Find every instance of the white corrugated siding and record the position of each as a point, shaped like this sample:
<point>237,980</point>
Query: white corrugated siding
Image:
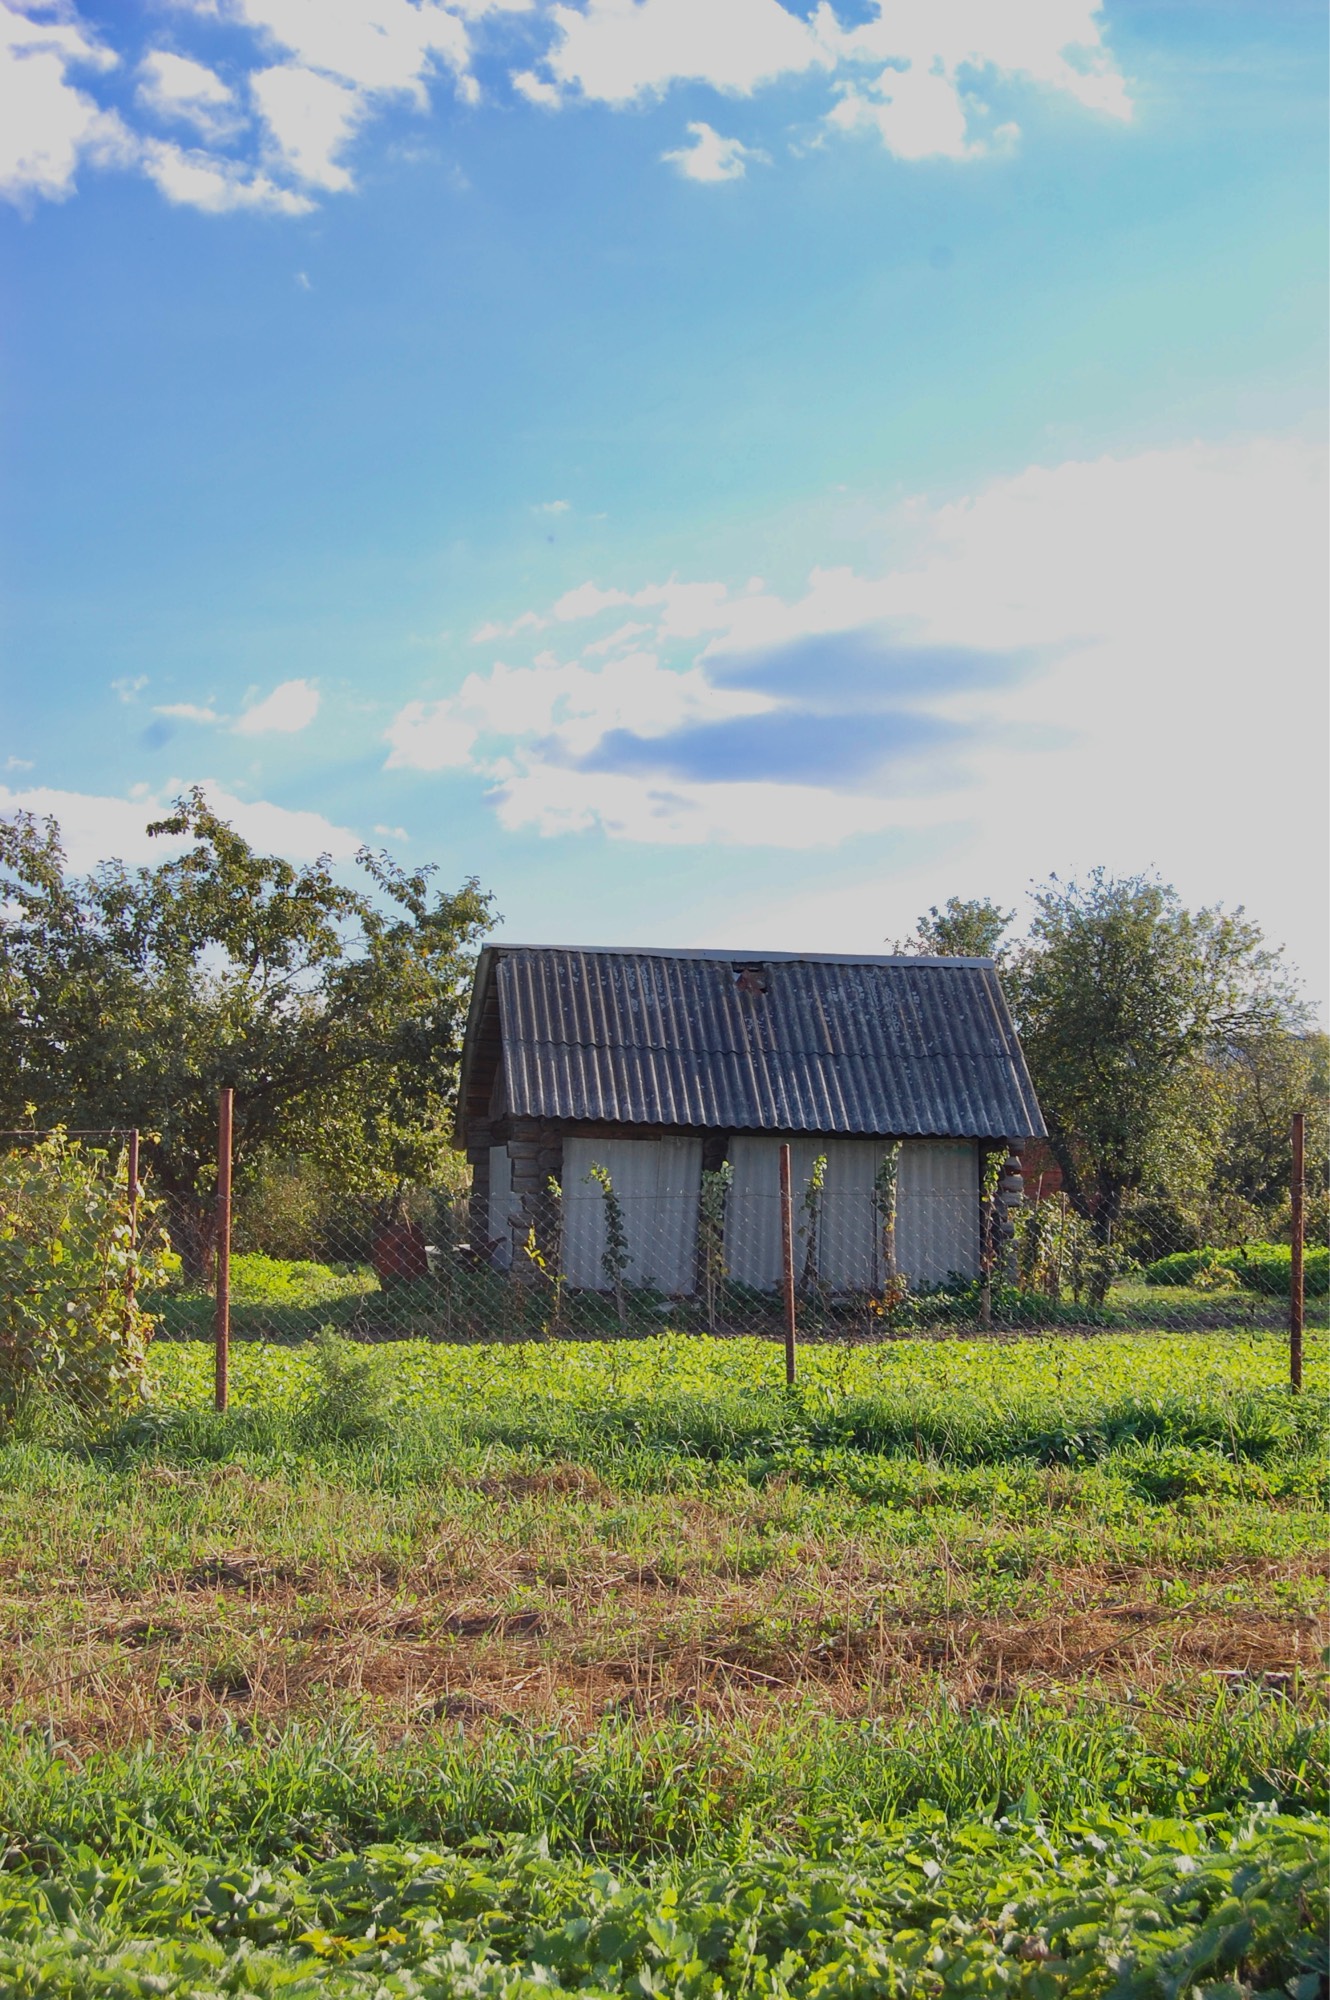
<point>937,1220</point>
<point>657,1183</point>
<point>499,1222</point>
<point>937,1217</point>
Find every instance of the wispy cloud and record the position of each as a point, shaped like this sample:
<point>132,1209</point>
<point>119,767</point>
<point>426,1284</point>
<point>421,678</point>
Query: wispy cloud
<point>186,711</point>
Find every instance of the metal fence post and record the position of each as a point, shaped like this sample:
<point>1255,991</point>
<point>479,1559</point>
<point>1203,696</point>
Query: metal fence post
<point>787,1259</point>
<point>1295,1267</point>
<point>222,1351</point>
<point>132,1176</point>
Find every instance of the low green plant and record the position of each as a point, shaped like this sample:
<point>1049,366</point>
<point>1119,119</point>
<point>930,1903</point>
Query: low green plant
<point>75,1269</point>
<point>999,1906</point>
<point>347,1398</point>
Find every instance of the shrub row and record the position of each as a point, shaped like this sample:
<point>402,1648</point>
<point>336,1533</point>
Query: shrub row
<point>1258,1267</point>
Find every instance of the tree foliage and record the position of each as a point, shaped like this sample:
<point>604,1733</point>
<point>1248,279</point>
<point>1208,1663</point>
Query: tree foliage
<point>130,996</point>
<point>963,929</point>
<point>1132,1011</point>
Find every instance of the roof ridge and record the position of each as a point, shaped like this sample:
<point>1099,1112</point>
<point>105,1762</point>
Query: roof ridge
<point>748,955</point>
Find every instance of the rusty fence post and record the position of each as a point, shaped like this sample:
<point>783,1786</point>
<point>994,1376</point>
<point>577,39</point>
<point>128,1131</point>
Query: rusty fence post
<point>787,1259</point>
<point>132,1179</point>
<point>1295,1264</point>
<point>222,1323</point>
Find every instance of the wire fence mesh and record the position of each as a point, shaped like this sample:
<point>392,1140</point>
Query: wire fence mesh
<point>593,1261</point>
<point>886,1243</point>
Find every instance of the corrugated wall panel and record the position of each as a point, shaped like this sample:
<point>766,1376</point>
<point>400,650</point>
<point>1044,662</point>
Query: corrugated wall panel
<point>656,1183</point>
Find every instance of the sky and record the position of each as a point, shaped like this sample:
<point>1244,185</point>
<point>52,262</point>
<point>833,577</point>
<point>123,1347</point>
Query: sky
<point>722,472</point>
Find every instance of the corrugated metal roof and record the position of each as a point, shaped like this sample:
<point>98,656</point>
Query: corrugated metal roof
<point>899,1046</point>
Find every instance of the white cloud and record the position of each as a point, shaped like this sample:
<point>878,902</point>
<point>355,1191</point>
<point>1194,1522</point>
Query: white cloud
<point>535,89</point>
<point>392,833</point>
<point>186,711</point>
<point>552,506</point>
<point>107,828</point>
<point>47,124</point>
<point>620,50</point>
<point>568,705</point>
<point>1169,612</point>
<point>319,70</point>
<point>429,736</point>
<point>309,118</point>
<point>551,799</point>
<point>374,45</point>
<point>710,157</point>
<point>1056,43</point>
<point>291,706</point>
<point>200,180</point>
<point>613,642</point>
<point>908,72</point>
<point>177,87</point>
<point>917,113</point>
<point>18,763</point>
<point>585,602</point>
<point>923,102</point>
<point>129,686</point>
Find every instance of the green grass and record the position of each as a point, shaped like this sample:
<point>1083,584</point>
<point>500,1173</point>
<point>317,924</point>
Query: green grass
<point>273,1299</point>
<point>616,1667</point>
<point>686,1397</point>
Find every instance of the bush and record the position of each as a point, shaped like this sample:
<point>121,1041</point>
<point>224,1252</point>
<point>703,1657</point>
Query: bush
<point>347,1402</point>
<point>72,1281</point>
<point>1258,1267</point>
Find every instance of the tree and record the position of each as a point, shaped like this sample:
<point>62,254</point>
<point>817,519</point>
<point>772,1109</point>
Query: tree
<point>130,996</point>
<point>1127,1003</point>
<point>1265,1080</point>
<point>961,930</point>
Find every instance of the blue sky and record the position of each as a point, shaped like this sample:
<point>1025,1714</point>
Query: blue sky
<point>721,472</point>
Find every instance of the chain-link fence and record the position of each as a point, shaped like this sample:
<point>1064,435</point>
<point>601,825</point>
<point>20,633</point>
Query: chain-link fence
<point>883,1242</point>
<point>596,1260</point>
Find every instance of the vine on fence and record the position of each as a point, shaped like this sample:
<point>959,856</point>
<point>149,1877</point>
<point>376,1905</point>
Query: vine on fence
<point>812,1207</point>
<point>886,1198</point>
<point>551,1266</point>
<point>616,1257</point>
<point>712,1205</point>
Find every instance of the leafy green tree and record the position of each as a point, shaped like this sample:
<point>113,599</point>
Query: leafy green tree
<point>130,996</point>
<point>1264,1081</point>
<point>1128,1004</point>
<point>962,929</point>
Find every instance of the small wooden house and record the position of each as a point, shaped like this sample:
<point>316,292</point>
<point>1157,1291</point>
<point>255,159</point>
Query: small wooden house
<point>658,1068</point>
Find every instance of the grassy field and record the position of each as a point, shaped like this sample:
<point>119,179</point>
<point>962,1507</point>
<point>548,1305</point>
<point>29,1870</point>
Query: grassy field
<point>617,1667</point>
